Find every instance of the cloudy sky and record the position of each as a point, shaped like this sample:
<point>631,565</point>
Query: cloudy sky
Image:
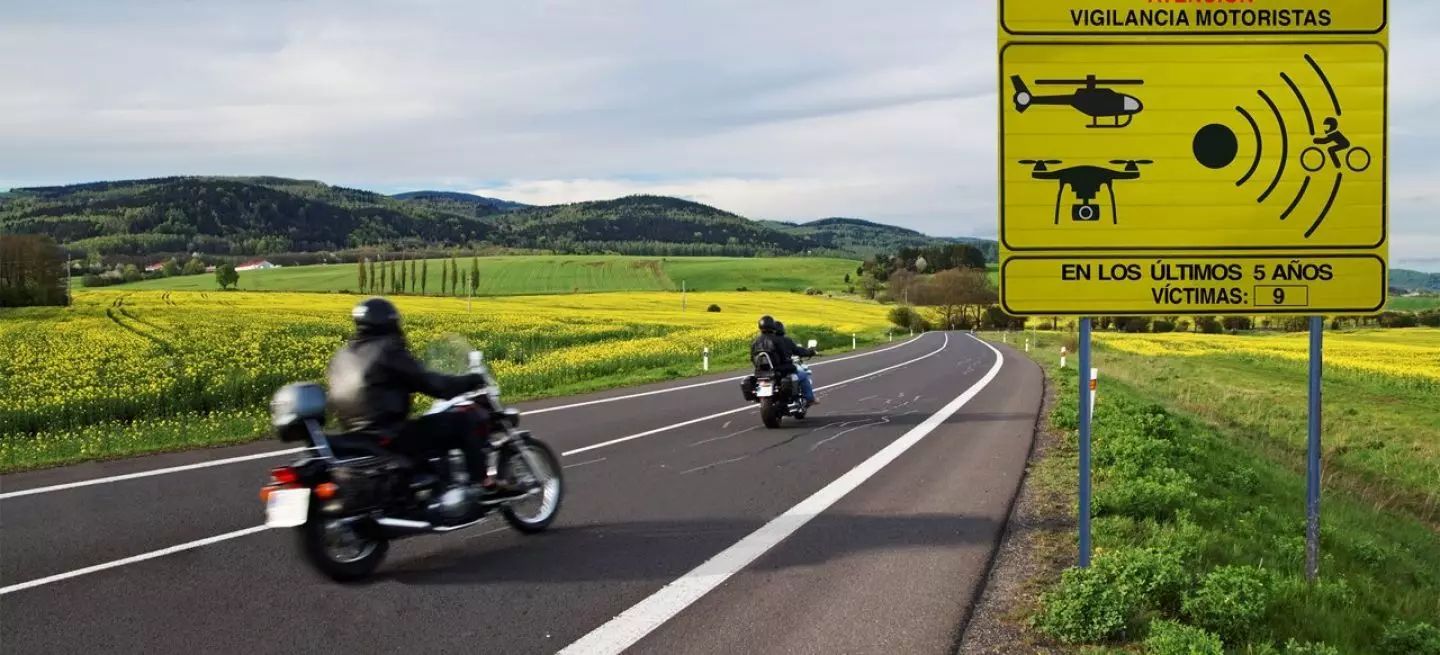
<point>787,110</point>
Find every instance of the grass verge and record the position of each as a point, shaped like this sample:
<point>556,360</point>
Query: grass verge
<point>1199,542</point>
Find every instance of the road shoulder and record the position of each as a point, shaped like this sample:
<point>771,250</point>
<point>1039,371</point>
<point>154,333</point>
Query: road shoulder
<point>1037,544</point>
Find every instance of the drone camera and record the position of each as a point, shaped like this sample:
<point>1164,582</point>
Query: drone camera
<point>1084,213</point>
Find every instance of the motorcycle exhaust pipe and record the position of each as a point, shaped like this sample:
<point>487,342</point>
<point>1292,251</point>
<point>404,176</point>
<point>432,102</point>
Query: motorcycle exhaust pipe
<point>406,526</point>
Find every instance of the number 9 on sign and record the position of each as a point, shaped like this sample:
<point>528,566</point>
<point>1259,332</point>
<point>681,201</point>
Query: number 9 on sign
<point>1282,296</point>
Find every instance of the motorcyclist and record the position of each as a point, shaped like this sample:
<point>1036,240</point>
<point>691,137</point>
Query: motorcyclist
<point>775,346</point>
<point>806,386</point>
<point>371,380</point>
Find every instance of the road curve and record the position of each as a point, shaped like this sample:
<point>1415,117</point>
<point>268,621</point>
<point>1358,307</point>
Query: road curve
<point>866,527</point>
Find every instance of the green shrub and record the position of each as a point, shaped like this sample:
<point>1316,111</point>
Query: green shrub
<point>1171,638</point>
<point>1231,601</point>
<point>1410,639</point>
<point>713,308</point>
<point>1158,494</point>
<point>1109,599</point>
<point>1293,647</point>
<point>1084,608</point>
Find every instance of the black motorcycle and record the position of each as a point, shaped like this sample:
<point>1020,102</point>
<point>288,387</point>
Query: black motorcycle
<point>346,503</point>
<point>779,395</point>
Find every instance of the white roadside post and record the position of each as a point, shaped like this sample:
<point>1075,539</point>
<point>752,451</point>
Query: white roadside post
<point>706,362</point>
<point>853,345</point>
<point>1062,356</point>
<point>1094,375</point>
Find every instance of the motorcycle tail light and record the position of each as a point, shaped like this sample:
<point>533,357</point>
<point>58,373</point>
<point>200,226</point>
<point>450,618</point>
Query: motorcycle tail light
<point>284,475</point>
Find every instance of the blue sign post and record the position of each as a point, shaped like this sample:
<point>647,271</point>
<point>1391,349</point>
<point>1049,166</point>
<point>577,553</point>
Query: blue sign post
<point>1085,442</point>
<point>1312,469</point>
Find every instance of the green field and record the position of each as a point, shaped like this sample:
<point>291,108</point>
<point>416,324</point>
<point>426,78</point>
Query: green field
<point>530,275</point>
<point>1199,483</point>
<point>1412,304</point>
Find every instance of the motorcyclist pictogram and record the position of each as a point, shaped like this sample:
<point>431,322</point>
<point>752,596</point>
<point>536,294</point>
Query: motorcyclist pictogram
<point>1312,159</point>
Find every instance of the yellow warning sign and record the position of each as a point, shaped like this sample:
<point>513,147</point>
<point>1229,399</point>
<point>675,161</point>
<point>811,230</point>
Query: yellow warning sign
<point>1238,284</point>
<point>1189,147</point>
<point>1198,17</point>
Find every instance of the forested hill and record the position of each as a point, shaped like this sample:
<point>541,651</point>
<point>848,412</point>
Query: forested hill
<point>271,216</point>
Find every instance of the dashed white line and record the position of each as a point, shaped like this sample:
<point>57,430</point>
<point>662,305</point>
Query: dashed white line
<point>248,531</point>
<point>131,560</point>
<point>291,451</point>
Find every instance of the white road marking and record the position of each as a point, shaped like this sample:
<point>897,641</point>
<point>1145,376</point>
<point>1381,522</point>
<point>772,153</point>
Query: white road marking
<point>248,531</point>
<point>131,560</point>
<point>291,451</point>
<point>590,461</point>
<point>632,625</point>
<point>146,474</point>
<point>748,408</point>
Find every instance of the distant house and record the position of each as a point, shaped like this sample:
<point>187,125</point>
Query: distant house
<point>154,267</point>
<point>255,265</point>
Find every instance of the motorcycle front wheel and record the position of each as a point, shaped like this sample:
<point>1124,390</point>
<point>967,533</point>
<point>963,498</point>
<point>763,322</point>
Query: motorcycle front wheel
<point>338,550</point>
<point>533,465</point>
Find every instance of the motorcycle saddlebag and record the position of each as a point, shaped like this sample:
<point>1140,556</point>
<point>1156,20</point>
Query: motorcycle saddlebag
<point>747,388</point>
<point>789,384</point>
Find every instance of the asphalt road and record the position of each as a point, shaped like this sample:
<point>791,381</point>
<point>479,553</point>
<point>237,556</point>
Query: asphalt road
<point>867,527</point>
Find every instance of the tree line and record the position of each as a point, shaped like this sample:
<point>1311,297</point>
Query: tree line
<point>412,276</point>
<point>32,272</point>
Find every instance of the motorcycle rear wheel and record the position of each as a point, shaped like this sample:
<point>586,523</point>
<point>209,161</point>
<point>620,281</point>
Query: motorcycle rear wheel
<point>770,412</point>
<point>551,482</point>
<point>318,538</point>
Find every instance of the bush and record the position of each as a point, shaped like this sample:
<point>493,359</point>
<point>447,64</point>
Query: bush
<point>713,309</point>
<point>1084,608</point>
<point>1410,639</point>
<point>904,317</point>
<point>1171,638</point>
<point>1182,326</point>
<point>1161,326</point>
<point>1158,493</point>
<point>1110,598</point>
<point>1231,601</point>
<point>1429,318</point>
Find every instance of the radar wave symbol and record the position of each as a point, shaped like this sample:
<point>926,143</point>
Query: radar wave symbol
<point>1312,158</point>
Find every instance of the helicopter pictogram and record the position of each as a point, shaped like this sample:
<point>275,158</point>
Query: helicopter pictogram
<point>1091,100</point>
<point>1085,182</point>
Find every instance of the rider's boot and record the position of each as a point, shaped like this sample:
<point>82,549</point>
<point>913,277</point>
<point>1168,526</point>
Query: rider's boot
<point>493,488</point>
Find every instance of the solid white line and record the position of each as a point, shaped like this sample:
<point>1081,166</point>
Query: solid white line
<point>747,408</point>
<point>131,560</point>
<point>644,617</point>
<point>290,451</point>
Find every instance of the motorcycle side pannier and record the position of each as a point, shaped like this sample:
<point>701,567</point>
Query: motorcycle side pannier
<point>747,388</point>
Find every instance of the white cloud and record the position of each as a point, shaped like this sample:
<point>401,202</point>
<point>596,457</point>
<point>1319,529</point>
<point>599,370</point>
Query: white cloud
<point>793,110</point>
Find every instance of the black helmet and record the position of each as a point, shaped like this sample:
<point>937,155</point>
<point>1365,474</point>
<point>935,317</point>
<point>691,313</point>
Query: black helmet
<point>376,316</point>
<point>767,323</point>
<point>779,329</point>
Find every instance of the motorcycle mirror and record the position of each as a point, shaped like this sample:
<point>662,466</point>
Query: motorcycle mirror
<point>811,343</point>
<point>475,358</point>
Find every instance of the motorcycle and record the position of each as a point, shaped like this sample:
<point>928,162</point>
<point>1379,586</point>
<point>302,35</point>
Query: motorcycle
<point>347,506</point>
<point>779,395</point>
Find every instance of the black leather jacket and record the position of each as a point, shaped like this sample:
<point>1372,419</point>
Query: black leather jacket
<point>372,378</point>
<point>797,348</point>
<point>779,351</point>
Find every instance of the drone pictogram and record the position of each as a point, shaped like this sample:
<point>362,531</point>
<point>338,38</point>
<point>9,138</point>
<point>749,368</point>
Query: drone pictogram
<point>1085,182</point>
<point>1091,100</point>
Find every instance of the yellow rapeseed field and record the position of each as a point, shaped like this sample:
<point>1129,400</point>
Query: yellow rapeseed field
<point>1408,357</point>
<point>119,368</point>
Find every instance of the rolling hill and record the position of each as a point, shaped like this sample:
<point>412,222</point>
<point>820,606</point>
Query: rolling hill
<point>239,216</point>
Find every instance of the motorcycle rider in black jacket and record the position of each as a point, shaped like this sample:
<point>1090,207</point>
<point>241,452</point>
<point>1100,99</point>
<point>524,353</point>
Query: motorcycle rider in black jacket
<point>777,346</point>
<point>371,379</point>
